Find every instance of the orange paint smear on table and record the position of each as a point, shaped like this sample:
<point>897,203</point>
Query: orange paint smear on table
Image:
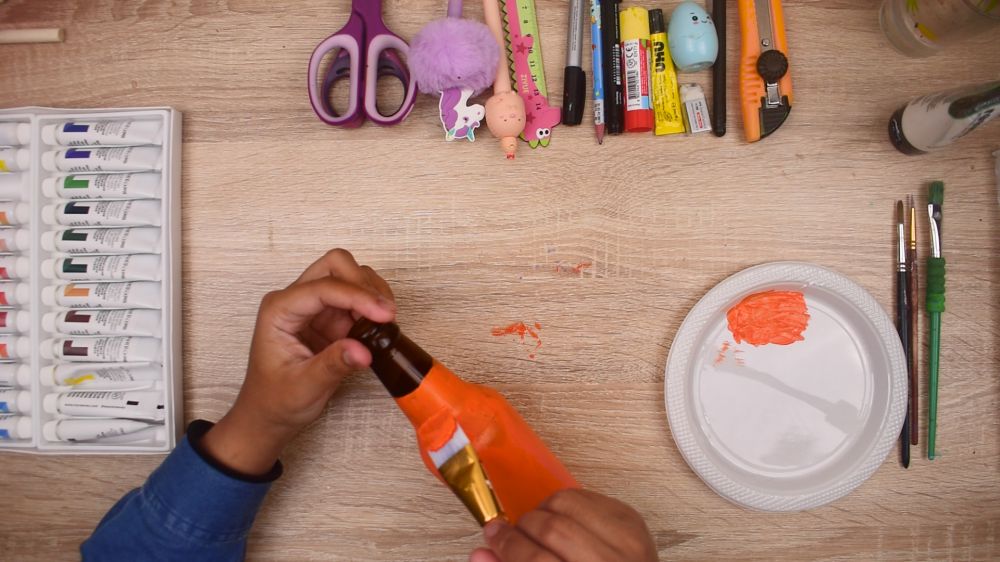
<point>523,331</point>
<point>578,268</point>
<point>777,317</point>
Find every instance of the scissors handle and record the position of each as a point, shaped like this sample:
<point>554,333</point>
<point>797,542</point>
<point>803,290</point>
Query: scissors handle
<point>344,65</point>
<point>383,60</point>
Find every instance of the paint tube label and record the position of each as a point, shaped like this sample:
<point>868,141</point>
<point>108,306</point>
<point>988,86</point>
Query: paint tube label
<point>137,267</point>
<point>118,132</point>
<point>98,376</point>
<point>137,185</point>
<point>125,349</point>
<point>108,322</point>
<point>104,240</point>
<point>134,294</point>
<point>118,159</point>
<point>105,213</point>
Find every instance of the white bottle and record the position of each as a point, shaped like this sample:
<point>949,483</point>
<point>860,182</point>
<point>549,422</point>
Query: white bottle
<point>14,214</point>
<point>118,159</point>
<point>132,267</point>
<point>133,294</point>
<point>131,212</point>
<point>14,240</point>
<point>14,187</point>
<point>14,159</point>
<point>118,132</point>
<point>106,322</point>
<point>15,401</point>
<point>15,374</point>
<point>137,404</point>
<point>137,185</point>
<point>110,349</point>
<point>14,427</point>
<point>128,240</point>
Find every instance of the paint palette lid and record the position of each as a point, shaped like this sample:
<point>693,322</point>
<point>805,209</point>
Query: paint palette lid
<point>796,423</point>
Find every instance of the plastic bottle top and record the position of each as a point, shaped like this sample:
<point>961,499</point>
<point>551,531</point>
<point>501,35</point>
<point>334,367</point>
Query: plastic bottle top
<point>24,375</point>
<point>21,239</point>
<point>49,295</point>
<point>13,187</point>
<point>47,375</point>
<point>22,158</point>
<point>23,347</point>
<point>49,134</point>
<point>49,161</point>
<point>49,429</point>
<point>49,212</point>
<point>22,401</point>
<point>48,269</point>
<point>51,403</point>
<point>19,373</point>
<point>15,293</point>
<point>23,428</point>
<point>49,188</point>
<point>48,240</point>
<point>47,349</point>
<point>17,213</point>
<point>16,319</point>
<point>49,322</point>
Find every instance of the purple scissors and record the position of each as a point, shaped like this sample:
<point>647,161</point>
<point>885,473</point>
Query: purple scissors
<point>364,40</point>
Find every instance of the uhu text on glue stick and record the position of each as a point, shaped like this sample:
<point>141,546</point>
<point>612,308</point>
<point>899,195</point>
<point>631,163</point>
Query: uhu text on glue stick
<point>666,98</point>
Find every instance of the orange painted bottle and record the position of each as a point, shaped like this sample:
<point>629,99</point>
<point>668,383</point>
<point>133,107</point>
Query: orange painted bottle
<point>521,469</point>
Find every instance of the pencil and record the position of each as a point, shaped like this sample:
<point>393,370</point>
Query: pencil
<point>902,317</point>
<point>597,49</point>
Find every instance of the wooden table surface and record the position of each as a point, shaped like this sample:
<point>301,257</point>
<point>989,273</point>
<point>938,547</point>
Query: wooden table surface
<point>470,242</point>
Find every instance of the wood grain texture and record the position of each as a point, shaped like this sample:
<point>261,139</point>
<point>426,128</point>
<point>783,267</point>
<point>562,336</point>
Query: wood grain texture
<point>470,241</point>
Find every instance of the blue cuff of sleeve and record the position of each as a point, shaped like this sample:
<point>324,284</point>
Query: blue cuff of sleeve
<point>198,499</point>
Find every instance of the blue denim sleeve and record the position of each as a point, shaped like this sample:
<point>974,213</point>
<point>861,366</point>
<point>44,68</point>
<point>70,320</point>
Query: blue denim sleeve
<point>191,508</point>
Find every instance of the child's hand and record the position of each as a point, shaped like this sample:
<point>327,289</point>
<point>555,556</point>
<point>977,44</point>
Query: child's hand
<point>298,357</point>
<point>572,525</point>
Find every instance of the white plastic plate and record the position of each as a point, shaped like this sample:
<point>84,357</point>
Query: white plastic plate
<point>787,427</point>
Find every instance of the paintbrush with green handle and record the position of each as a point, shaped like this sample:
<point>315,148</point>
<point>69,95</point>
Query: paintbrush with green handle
<point>935,306</point>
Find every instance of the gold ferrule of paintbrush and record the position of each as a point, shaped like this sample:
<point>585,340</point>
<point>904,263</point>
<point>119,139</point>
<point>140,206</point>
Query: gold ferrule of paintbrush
<point>465,476</point>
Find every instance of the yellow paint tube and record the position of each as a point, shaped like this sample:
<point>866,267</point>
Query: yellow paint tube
<point>668,119</point>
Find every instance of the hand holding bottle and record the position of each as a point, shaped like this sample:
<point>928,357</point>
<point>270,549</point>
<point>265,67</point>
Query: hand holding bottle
<point>576,525</point>
<point>299,354</point>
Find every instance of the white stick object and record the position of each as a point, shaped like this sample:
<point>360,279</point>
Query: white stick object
<point>52,35</point>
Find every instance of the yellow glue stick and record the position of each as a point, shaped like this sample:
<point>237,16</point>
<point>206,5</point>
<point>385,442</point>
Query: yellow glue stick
<point>668,119</point>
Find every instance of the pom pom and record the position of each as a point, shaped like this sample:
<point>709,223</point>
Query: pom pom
<point>453,53</point>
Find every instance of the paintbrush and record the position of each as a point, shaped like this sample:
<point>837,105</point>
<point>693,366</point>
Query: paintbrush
<point>935,306</point>
<point>902,317</point>
<point>911,289</point>
<point>459,466</point>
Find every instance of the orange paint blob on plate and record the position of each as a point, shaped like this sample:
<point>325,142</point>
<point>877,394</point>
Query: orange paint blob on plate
<point>777,317</point>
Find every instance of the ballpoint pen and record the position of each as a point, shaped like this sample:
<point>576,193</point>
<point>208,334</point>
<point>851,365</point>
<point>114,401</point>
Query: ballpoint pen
<point>574,78</point>
<point>911,298</point>
<point>902,319</point>
<point>596,49</point>
<point>935,306</point>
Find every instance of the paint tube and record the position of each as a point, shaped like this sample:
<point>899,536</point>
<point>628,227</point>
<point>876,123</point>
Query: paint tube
<point>129,240</point>
<point>15,374</point>
<point>14,240</point>
<point>14,321</point>
<point>14,214</point>
<point>14,159</point>
<point>13,347</point>
<point>73,430</point>
<point>108,322</point>
<point>14,427</point>
<point>149,436</point>
<point>14,294</point>
<point>14,267</point>
<point>101,376</point>
<point>15,401</point>
<point>103,213</point>
<point>666,98</point>
<point>15,134</point>
<point>120,159</point>
<point>135,404</point>
<point>134,267</point>
<point>134,294</point>
<point>14,187</point>
<point>113,349</point>
<point>138,185</point>
<point>118,132</point>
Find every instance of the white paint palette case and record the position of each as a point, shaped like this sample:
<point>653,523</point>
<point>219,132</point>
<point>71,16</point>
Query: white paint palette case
<point>90,272</point>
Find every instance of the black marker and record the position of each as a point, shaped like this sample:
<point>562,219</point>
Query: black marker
<point>719,70</point>
<point>614,93</point>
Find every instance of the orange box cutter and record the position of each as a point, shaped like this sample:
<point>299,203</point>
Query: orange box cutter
<point>765,84</point>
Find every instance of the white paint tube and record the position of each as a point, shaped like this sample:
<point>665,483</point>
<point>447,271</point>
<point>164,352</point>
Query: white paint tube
<point>14,214</point>
<point>118,132</point>
<point>14,159</point>
<point>133,294</point>
<point>135,404</point>
<point>15,374</point>
<point>14,294</point>
<point>141,185</point>
<point>149,436</point>
<point>14,267</point>
<point>102,376</point>
<point>111,349</point>
<point>15,134</point>
<point>106,322</point>
<point>134,267</point>
<point>13,347</point>
<point>128,240</point>
<point>14,240</point>
<point>14,427</point>
<point>15,401</point>
<point>14,322</point>
<point>142,212</point>
<point>14,187</point>
<point>118,159</point>
<point>74,430</point>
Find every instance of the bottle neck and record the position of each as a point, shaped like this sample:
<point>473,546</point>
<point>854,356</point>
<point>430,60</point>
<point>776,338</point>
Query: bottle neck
<point>399,363</point>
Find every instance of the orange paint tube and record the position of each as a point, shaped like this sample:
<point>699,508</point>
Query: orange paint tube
<point>520,468</point>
